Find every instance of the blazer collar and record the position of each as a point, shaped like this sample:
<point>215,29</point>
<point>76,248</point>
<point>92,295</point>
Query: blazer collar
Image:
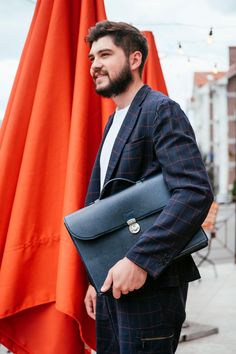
<point>126,129</point>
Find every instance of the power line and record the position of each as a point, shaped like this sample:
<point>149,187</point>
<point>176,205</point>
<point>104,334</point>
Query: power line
<point>179,24</point>
<point>32,2</point>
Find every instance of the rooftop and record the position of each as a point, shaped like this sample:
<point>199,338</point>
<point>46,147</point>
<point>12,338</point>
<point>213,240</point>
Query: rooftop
<point>203,77</point>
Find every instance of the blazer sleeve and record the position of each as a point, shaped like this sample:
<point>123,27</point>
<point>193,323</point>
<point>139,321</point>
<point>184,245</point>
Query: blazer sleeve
<point>191,195</point>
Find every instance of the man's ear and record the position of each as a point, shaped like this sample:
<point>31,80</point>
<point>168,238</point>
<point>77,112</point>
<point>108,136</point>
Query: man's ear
<point>135,60</point>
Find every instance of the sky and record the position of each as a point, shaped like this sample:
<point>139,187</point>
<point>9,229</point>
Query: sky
<point>174,23</point>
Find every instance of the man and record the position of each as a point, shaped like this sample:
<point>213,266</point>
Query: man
<point>148,134</point>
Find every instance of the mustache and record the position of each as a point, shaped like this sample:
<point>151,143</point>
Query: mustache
<point>98,73</point>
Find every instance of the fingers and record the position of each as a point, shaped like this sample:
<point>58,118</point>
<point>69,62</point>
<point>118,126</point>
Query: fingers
<point>124,277</point>
<point>90,302</point>
<point>94,301</point>
<point>90,309</point>
<point>116,292</point>
<point>108,282</point>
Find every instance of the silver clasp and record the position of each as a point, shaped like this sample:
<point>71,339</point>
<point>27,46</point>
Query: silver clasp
<point>134,227</point>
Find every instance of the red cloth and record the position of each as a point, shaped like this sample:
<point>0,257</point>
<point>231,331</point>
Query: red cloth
<point>49,138</point>
<point>152,74</point>
<point>48,142</point>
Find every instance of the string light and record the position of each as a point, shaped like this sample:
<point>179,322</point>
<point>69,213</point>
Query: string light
<point>210,36</point>
<point>180,49</point>
<point>177,24</point>
<point>215,69</point>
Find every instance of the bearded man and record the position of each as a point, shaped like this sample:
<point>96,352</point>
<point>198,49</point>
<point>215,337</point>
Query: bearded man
<point>147,134</point>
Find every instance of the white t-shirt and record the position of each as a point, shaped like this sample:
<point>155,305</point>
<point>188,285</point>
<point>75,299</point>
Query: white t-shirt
<point>109,142</point>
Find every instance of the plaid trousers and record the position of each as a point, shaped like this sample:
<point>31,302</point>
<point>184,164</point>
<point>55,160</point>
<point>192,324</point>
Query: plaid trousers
<point>145,321</point>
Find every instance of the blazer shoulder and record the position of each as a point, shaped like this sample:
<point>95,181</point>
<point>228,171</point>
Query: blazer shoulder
<point>157,100</point>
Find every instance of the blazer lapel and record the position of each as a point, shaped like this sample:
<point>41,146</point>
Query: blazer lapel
<point>126,129</point>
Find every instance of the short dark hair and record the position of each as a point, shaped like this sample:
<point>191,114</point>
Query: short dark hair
<point>128,37</point>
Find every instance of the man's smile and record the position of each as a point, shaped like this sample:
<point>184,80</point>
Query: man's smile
<point>98,75</point>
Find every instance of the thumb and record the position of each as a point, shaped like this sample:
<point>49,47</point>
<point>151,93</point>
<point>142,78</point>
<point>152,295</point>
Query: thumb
<point>108,282</point>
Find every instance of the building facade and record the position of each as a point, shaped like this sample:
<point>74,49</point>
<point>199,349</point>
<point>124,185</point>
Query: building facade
<point>213,109</point>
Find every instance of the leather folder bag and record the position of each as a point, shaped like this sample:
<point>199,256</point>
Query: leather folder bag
<point>105,230</point>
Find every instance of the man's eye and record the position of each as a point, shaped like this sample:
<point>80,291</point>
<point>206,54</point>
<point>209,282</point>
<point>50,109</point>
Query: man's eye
<point>105,55</point>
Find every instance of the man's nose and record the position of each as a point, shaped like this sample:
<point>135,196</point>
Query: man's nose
<point>96,64</point>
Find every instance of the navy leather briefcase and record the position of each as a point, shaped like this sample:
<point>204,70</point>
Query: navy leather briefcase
<point>104,231</point>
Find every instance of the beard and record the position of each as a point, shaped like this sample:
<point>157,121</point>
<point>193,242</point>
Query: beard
<point>117,85</point>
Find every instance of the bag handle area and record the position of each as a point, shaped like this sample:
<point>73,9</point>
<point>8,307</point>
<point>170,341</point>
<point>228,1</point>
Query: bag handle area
<point>118,179</point>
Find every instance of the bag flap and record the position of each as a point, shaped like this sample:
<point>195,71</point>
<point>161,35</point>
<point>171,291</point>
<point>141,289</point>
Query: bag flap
<point>108,214</point>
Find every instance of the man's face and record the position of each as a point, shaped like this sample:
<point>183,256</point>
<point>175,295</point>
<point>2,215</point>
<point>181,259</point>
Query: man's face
<point>110,68</point>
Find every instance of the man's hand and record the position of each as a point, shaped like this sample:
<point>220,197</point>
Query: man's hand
<point>90,301</point>
<point>124,276</point>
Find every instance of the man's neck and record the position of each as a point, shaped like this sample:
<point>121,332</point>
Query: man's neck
<point>124,99</point>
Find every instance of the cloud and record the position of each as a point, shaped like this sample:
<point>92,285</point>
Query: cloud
<point>226,7</point>
<point>7,73</point>
<point>15,18</point>
<point>143,11</point>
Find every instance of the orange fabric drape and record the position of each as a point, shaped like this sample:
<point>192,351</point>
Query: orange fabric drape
<point>49,138</point>
<point>152,74</point>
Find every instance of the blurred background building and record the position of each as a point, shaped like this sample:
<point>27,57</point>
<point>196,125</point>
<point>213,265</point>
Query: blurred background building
<point>213,111</point>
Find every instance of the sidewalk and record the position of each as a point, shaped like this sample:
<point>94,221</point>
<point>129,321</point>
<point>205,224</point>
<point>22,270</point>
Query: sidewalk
<point>211,301</point>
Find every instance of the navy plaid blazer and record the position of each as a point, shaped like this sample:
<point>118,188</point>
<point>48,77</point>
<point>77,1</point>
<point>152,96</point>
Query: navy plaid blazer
<point>156,136</point>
